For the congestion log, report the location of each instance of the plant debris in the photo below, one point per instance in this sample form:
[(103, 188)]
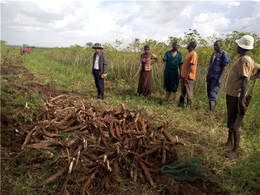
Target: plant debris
[(109, 146)]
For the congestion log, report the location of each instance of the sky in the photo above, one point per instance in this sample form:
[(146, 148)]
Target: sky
[(62, 23)]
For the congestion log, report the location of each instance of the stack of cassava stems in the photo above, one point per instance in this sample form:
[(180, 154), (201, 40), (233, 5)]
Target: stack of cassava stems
[(106, 147)]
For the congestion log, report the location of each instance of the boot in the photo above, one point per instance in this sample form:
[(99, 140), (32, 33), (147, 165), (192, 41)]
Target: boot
[(188, 103), (167, 95), (234, 153), (175, 95), (181, 101), (212, 105)]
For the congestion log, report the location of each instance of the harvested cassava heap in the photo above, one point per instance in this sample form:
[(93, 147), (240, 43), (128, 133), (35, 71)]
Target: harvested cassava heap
[(86, 144)]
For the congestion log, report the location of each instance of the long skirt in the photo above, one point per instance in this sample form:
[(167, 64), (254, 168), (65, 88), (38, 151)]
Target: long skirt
[(145, 83)]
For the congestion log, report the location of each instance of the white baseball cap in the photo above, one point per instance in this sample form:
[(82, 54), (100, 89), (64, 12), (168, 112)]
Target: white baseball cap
[(246, 42)]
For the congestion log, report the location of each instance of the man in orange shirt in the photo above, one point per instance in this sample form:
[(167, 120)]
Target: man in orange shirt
[(188, 75)]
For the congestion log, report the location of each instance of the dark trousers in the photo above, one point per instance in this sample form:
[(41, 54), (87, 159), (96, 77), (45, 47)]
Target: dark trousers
[(99, 81), (213, 89), (232, 111)]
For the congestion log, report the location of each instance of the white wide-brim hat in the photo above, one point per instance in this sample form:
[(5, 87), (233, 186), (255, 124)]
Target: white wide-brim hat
[(246, 42)]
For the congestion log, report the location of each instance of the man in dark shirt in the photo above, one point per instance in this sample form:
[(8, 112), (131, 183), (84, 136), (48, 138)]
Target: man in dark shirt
[(218, 62), (99, 69)]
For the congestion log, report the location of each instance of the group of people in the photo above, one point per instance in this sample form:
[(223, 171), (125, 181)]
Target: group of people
[(172, 61), (236, 86)]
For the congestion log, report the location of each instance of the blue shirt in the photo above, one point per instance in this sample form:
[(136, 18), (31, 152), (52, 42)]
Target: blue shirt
[(222, 59)]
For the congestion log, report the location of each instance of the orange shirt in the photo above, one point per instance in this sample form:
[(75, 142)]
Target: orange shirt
[(192, 57)]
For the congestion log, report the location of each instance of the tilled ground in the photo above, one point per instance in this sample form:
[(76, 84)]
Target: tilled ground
[(86, 150)]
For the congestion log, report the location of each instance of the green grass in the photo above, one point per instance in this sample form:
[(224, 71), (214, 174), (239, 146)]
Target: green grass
[(202, 134)]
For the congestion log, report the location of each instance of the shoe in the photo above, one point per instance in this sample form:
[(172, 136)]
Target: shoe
[(188, 103), (100, 97), (212, 105), (181, 101)]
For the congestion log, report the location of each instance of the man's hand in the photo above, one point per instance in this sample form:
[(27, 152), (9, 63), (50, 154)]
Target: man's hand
[(219, 82), (186, 82), (159, 70), (242, 108), (103, 76)]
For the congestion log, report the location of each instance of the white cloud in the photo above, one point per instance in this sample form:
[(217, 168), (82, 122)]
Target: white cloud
[(186, 12), (228, 4), (208, 24), (67, 22)]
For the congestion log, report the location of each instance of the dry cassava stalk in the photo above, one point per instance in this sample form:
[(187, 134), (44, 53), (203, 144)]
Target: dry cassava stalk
[(167, 135), (51, 178), (88, 182), (28, 137)]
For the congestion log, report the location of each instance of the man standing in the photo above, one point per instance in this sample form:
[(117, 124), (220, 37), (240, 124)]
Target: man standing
[(236, 89), (173, 61), (218, 62), (99, 69), (188, 75)]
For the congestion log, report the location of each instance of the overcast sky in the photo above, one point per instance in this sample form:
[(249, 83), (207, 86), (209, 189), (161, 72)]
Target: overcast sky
[(62, 23)]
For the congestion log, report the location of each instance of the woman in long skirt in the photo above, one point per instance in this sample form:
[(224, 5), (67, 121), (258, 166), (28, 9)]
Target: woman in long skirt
[(145, 79)]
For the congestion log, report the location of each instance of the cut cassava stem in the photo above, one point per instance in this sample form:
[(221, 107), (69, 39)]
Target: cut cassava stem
[(51, 178), (86, 185)]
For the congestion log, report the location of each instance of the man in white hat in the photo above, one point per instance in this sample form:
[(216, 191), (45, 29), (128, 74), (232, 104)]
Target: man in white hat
[(236, 89), (99, 69)]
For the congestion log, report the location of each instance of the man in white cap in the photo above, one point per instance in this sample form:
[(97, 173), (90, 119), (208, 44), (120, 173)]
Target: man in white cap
[(236, 89), (99, 69)]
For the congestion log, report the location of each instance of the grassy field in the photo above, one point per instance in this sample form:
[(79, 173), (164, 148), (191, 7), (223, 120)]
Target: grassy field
[(70, 70)]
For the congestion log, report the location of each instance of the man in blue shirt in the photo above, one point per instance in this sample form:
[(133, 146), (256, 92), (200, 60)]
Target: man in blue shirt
[(218, 62)]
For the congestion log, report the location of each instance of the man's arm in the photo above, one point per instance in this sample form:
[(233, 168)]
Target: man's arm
[(104, 66), (221, 75), (244, 86), (187, 75), (180, 68), (255, 76), (162, 65)]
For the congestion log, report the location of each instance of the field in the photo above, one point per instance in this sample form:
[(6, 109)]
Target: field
[(30, 83)]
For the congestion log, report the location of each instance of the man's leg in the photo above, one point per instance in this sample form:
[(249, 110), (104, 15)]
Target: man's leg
[(189, 89), (167, 95), (230, 139), (232, 110), (175, 95), (212, 90), (96, 75), (235, 152), (183, 93), (101, 87)]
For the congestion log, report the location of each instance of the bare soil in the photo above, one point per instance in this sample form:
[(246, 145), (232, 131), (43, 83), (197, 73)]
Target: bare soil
[(17, 163)]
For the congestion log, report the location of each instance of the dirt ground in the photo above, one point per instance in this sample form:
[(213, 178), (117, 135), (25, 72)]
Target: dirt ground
[(14, 130)]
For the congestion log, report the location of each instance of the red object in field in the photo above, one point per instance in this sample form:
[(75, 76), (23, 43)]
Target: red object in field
[(25, 49), (143, 59)]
